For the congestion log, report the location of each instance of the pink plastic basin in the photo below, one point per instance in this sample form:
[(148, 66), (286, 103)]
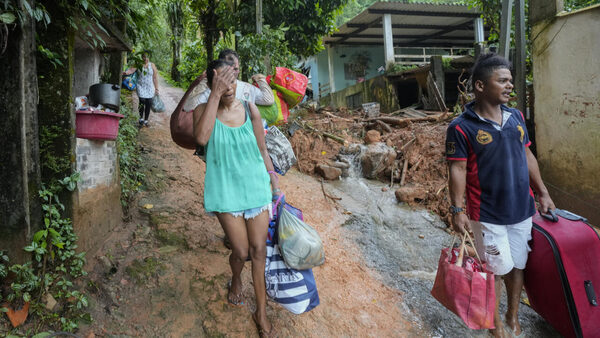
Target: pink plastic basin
[(97, 124)]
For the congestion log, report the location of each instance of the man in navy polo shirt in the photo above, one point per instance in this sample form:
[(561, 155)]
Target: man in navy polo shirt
[(487, 148)]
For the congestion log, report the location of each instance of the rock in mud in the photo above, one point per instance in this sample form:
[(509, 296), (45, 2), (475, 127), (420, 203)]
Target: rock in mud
[(373, 136), (376, 159), (411, 194), (328, 172)]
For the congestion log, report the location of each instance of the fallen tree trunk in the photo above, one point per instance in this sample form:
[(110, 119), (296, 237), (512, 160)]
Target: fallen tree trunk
[(403, 122), (331, 136)]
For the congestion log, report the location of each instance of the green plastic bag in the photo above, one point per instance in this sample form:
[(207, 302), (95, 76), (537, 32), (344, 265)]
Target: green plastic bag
[(272, 114)]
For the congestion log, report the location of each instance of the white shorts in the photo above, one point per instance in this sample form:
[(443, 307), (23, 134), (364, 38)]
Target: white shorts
[(503, 247)]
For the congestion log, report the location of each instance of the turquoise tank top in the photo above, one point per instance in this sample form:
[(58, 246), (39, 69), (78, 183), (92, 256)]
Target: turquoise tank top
[(236, 177)]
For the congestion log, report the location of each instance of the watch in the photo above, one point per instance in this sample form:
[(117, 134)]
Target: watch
[(456, 210)]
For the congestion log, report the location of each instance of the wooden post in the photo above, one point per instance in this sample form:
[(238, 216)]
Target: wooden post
[(519, 61), (437, 70), (505, 28)]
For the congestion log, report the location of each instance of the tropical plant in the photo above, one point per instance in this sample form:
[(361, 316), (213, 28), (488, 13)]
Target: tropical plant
[(253, 48), (307, 21), (55, 264), (213, 18), (176, 23), (128, 150)]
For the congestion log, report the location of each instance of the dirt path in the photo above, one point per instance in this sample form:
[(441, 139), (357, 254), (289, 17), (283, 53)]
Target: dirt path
[(171, 270)]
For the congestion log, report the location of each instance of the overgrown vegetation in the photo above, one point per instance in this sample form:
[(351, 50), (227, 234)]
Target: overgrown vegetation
[(129, 153), (53, 270), (254, 48)]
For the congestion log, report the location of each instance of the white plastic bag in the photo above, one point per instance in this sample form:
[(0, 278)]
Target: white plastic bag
[(300, 244)]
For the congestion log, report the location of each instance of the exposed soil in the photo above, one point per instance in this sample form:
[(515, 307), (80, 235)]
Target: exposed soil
[(421, 144), (164, 272)]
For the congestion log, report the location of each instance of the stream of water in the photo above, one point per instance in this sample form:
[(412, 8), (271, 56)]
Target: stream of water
[(403, 244)]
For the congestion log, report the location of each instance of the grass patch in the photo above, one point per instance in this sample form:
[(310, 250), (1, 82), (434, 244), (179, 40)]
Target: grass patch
[(142, 270), (166, 237), (156, 219)]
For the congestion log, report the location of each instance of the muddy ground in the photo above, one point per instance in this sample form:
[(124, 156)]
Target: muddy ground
[(170, 265), (164, 272)]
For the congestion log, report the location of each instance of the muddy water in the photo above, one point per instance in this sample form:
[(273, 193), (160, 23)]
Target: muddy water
[(403, 244)]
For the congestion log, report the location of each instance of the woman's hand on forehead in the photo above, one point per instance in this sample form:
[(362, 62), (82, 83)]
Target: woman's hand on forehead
[(223, 79)]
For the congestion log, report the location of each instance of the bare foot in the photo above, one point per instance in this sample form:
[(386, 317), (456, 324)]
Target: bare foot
[(265, 329), (234, 294), (513, 325), (498, 332)]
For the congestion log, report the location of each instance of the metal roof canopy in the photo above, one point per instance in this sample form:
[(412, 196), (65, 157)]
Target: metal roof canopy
[(413, 25)]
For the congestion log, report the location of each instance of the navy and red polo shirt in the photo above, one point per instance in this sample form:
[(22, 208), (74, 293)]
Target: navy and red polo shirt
[(497, 188)]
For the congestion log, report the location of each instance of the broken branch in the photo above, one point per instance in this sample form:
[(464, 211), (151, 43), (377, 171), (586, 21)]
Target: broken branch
[(331, 136), (414, 167), (328, 114), (404, 169), (384, 126), (408, 143), (334, 198)]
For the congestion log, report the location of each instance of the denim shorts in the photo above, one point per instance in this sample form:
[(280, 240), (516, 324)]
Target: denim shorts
[(250, 213), (503, 247)]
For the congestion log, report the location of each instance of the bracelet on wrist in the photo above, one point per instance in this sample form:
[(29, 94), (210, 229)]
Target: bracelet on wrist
[(276, 191)]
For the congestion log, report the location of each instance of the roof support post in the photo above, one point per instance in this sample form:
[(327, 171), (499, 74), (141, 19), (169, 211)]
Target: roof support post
[(331, 74), (519, 62), (479, 36), (505, 27), (388, 40)]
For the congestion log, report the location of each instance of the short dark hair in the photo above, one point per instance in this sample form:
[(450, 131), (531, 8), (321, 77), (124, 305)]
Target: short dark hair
[(215, 64), (226, 52), (486, 64), (146, 52)]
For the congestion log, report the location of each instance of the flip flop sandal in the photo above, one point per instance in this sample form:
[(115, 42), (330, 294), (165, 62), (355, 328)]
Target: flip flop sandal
[(236, 300), (261, 332)]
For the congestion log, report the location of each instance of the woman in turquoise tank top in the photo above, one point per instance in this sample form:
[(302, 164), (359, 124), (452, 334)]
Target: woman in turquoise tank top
[(239, 182)]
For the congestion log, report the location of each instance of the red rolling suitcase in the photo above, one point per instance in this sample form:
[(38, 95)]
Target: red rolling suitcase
[(562, 276)]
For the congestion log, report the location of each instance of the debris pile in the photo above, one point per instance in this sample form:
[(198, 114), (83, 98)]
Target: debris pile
[(405, 149)]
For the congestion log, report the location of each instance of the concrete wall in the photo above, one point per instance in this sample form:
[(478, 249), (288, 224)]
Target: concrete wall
[(567, 109), (97, 207), (343, 57), (20, 213), (377, 89), (87, 67), (322, 71)]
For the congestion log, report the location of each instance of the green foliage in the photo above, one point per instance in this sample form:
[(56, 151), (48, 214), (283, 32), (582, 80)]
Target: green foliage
[(176, 19), (193, 62), (150, 30), (352, 9), (572, 5), (9, 13), (253, 48), (398, 68), (129, 154), (54, 267), (308, 21), (50, 144)]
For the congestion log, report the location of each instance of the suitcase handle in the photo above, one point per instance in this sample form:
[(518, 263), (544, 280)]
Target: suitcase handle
[(551, 215), (589, 290)]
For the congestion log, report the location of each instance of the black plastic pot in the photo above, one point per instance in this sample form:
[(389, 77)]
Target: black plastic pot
[(106, 94)]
